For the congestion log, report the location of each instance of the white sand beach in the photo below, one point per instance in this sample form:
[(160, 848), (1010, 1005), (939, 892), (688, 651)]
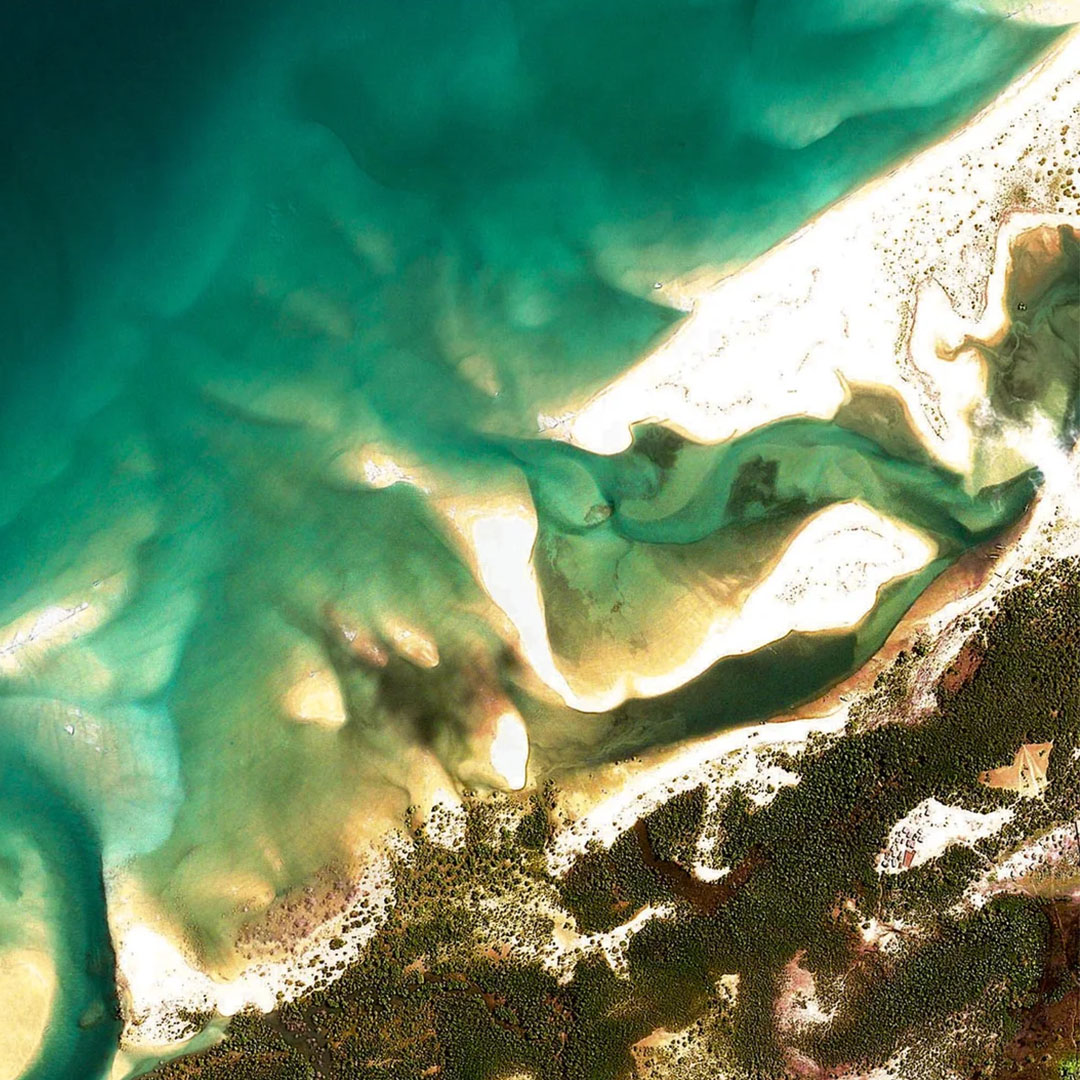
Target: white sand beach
[(871, 291)]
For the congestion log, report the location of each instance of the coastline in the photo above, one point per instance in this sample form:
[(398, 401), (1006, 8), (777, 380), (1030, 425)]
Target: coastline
[(158, 979), (847, 287)]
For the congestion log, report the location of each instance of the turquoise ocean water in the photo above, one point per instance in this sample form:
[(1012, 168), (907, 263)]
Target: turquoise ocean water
[(242, 241)]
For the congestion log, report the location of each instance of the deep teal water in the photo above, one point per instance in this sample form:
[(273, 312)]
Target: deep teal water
[(240, 241)]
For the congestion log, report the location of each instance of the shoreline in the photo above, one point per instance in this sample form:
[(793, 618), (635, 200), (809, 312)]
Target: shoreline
[(968, 589), (160, 979), (886, 239)]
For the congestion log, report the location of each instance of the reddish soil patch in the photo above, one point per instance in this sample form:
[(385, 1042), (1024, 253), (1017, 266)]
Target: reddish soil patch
[(1050, 1030), (962, 668)]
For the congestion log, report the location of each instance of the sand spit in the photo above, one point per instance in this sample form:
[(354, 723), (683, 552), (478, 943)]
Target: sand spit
[(872, 291), (827, 577)]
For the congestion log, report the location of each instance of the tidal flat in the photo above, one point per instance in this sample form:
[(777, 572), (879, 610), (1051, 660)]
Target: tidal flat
[(345, 484)]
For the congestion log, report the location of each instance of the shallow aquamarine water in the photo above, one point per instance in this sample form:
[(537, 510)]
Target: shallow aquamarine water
[(244, 241)]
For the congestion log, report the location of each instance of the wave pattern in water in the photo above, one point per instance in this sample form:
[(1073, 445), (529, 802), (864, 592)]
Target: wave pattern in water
[(286, 293)]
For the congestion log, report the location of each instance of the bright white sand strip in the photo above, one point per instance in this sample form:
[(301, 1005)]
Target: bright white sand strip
[(510, 749), (721, 761), (930, 829), (827, 578), (500, 537), (839, 299), (156, 977)]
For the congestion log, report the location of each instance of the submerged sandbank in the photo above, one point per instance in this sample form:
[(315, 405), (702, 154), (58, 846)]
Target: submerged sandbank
[(28, 990)]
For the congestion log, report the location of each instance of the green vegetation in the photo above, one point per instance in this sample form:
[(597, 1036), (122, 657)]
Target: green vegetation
[(460, 981), (1038, 361)]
